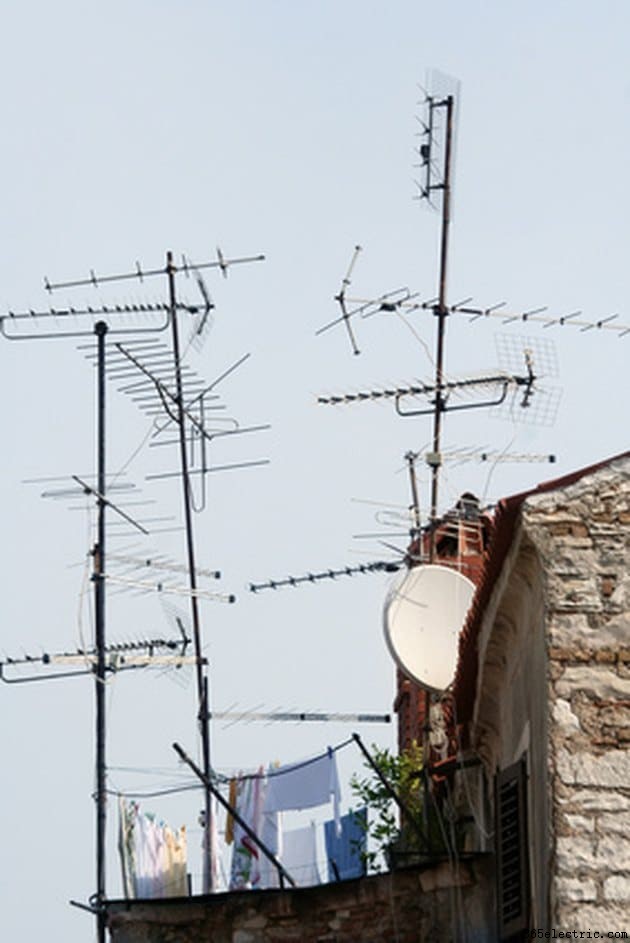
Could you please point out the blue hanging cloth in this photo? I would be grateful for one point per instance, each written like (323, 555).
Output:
(345, 851)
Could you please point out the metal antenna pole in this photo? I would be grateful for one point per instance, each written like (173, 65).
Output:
(441, 312)
(416, 529)
(100, 329)
(202, 686)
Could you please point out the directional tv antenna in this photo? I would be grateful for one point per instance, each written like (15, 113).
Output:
(125, 322)
(514, 389)
(436, 160)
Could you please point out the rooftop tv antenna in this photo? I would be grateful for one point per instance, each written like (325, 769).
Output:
(299, 717)
(436, 161)
(123, 320)
(119, 656)
(155, 395)
(514, 390)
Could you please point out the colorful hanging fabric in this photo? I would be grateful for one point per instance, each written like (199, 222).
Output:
(345, 852)
(153, 856)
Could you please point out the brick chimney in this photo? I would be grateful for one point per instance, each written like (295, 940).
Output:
(460, 538)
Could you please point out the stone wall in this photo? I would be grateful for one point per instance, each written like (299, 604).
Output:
(408, 906)
(583, 536)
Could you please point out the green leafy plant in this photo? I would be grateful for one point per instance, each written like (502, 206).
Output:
(403, 772)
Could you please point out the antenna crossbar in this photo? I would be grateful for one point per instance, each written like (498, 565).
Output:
(503, 381)
(476, 454)
(368, 307)
(30, 325)
(120, 656)
(139, 274)
(166, 565)
(170, 590)
(379, 566)
(300, 717)
(232, 466)
(538, 316)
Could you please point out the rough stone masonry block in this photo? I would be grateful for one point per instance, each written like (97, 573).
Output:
(613, 852)
(614, 822)
(609, 918)
(617, 887)
(573, 853)
(610, 770)
(564, 717)
(575, 595)
(586, 800)
(599, 680)
(575, 889)
(573, 630)
(580, 823)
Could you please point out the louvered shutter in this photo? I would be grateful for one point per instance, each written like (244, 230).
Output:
(511, 852)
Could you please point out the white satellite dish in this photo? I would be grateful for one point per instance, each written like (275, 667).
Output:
(423, 616)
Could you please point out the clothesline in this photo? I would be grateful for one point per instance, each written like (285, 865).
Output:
(225, 779)
(290, 767)
(193, 786)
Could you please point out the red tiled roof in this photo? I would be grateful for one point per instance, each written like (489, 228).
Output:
(504, 524)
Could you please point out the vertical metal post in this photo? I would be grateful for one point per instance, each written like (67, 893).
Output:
(100, 330)
(426, 760)
(410, 458)
(202, 682)
(441, 312)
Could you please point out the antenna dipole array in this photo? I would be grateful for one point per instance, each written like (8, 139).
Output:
(156, 395)
(139, 274)
(501, 382)
(405, 301)
(318, 717)
(120, 656)
(378, 566)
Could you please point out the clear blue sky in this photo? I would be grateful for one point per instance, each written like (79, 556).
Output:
(287, 129)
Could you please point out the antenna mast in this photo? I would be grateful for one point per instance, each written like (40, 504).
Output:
(201, 676)
(100, 330)
(441, 309)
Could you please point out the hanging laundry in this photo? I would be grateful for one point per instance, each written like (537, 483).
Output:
(345, 852)
(305, 785)
(299, 855)
(175, 880)
(229, 822)
(126, 846)
(214, 848)
(210, 838)
(153, 856)
(245, 869)
(149, 847)
(271, 835)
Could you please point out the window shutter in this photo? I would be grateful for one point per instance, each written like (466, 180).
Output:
(511, 852)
